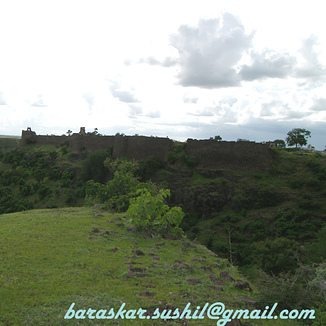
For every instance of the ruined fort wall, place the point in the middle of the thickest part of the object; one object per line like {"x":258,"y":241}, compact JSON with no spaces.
{"x":210,"y":154}
{"x":141,"y":147}
{"x":243,"y":156}
{"x":30,"y":137}
{"x":89,"y":143}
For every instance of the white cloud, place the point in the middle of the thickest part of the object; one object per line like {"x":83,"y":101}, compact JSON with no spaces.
{"x":210,"y":52}
{"x":268,"y":65}
{"x":197,"y":70}
{"x":311,"y":68}
{"x":2,"y":99}
{"x":39,"y":102}
{"x":319,"y":104}
{"x":89,"y":98}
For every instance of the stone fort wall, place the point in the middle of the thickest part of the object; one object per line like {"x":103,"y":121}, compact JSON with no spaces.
{"x":242,"y":155}
{"x":210,"y":154}
{"x":137,"y":147}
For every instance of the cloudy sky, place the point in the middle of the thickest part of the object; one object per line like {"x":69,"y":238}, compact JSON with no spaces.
{"x":182,"y":69}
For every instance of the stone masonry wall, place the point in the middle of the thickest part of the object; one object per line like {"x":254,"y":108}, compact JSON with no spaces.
{"x":210,"y":154}
{"x":243,"y":156}
{"x":137,"y":147}
{"x":141,"y":147}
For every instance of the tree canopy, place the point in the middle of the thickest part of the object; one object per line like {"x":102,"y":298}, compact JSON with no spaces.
{"x":298,"y":136}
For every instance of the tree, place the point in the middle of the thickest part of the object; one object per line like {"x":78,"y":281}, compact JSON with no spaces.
{"x":280,"y":143}
{"x":298,"y":136}
{"x":69,"y":132}
{"x":217,"y":138}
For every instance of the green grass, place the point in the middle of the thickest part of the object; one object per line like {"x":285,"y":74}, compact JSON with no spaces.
{"x":52,"y":258}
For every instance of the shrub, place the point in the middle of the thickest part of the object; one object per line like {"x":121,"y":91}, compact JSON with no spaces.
{"x":93,"y":167}
{"x":149,"y":213}
{"x":302,"y":290}
{"x":275,"y":257}
{"x":239,"y":202}
{"x":148,"y":167}
{"x":115,"y":195}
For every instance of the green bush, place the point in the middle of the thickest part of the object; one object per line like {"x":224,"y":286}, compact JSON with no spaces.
{"x":147,"y":168}
{"x":93,"y":167}
{"x":303,"y":289}
{"x":115,"y":195}
{"x":275,"y":257}
{"x":239,"y":202}
{"x":151,"y":214}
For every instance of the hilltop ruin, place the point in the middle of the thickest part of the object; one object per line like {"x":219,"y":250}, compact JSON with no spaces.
{"x":209,"y":154}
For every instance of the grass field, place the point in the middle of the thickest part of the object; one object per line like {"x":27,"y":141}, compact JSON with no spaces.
{"x":50,"y":259}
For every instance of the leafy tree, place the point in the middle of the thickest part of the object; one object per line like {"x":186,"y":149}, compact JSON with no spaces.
{"x":69,"y":132}
{"x":298,"y":136}
{"x":280,"y":143}
{"x":218,"y":138}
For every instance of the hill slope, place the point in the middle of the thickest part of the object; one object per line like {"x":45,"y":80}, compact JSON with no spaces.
{"x":53,"y":258}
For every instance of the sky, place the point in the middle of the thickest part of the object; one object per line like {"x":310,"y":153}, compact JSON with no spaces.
{"x":179,"y":69}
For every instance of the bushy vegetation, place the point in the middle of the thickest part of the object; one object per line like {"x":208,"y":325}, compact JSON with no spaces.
{"x":143,"y":201}
{"x":39,"y":177}
{"x":93,"y":167}
{"x":272,"y":221}
{"x":149,"y":213}
{"x":179,"y":156}
{"x":300,"y":290}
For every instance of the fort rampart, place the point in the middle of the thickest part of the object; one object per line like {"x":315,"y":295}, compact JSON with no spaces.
{"x":137,"y":147}
{"x":241,"y":155}
{"x":209,"y":154}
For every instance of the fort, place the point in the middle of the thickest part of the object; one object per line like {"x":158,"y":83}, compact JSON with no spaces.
{"x":210,"y":154}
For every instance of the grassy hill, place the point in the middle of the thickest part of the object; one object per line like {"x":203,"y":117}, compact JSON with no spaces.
{"x":272,"y":220}
{"x":50,"y":259}
{"x":260,"y":213}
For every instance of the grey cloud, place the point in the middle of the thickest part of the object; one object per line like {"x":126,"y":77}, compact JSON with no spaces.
{"x":209,"y":52}
{"x":267,"y":108}
{"x":268,"y":65}
{"x":292,"y":114}
{"x":319,"y":105}
{"x":230,"y":116}
{"x":167,"y":62}
{"x":205,"y":112}
{"x":223,"y":108}
{"x":2,"y":99}
{"x":123,"y":96}
{"x":135,"y":111}
{"x":208,"y":112}
{"x":229,"y":101}
{"x":154,"y":114}
{"x":190,"y":99}
{"x":312,"y":69}
{"x":39,"y":102}
{"x":89,"y":98}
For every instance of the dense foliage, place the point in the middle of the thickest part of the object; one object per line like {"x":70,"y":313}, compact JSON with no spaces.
{"x":298,"y":136}
{"x":150,"y":213}
{"x":273,"y":220}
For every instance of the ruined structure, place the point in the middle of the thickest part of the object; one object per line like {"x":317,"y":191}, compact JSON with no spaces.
{"x":209,"y":154}
{"x":137,"y":147}
{"x":219,"y":155}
